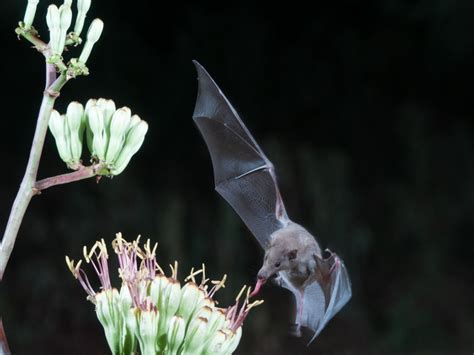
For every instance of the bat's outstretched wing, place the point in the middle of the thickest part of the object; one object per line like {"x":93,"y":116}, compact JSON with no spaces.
{"x":243,"y":175}
{"x":324,"y":296}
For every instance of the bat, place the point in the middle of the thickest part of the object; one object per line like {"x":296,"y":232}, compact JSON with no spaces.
{"x":246,"y":178}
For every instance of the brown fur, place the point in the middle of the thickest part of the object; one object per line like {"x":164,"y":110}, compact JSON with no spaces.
{"x":292,"y":250}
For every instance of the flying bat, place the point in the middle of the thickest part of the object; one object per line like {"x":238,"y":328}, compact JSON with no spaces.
{"x":246,"y":178}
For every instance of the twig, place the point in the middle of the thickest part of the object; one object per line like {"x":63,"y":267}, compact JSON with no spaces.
{"x":84,"y":172}
{"x":26,"y":190}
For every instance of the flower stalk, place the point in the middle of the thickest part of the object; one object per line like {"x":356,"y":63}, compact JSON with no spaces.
{"x":57,"y":74}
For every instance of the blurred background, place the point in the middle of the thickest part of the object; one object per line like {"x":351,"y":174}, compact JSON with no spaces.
{"x":365,"y":108}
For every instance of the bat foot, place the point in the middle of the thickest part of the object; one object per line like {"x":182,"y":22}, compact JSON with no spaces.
{"x":295,"y":330}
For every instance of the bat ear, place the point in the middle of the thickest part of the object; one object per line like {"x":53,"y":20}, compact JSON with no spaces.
{"x":292,"y":254}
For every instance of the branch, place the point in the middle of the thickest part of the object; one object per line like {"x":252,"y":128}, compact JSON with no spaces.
{"x":84,"y":172}
{"x":40,"y":46}
{"x":26,"y":190}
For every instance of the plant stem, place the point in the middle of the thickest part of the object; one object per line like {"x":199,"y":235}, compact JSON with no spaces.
{"x":26,"y":190}
{"x":84,"y":172}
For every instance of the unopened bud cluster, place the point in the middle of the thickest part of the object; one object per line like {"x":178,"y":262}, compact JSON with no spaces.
{"x":154,"y":312}
{"x":59,"y":20}
{"x":113,"y":135}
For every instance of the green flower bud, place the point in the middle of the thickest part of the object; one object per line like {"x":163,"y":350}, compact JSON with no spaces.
{"x":108,"y":313}
{"x":93,"y":35}
{"x":147,"y":331}
{"x":96,"y":125}
{"x":216,"y":343}
{"x":203,"y":312}
{"x":89,"y":135}
{"x":157,"y":287}
{"x":65,"y":14}
{"x":90,"y":103}
{"x":168,"y":304}
{"x":125,"y":300}
{"x":216,"y":321}
{"x":174,"y":297}
{"x":30,"y":13}
{"x":118,"y":128}
{"x":108,"y":108}
{"x":232,"y":341}
{"x":130,"y":326}
{"x":74,"y":120}
{"x":134,"y":121}
{"x":194,"y":341}
{"x":133,"y":142}
{"x":190,"y":297}
{"x":57,"y":126}
{"x":175,"y":335}
{"x":82,"y":9}
{"x":53,"y":19}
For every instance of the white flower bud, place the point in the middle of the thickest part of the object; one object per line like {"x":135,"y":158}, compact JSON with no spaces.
{"x":148,"y":331}
{"x":118,"y":127}
{"x":95,"y":30}
{"x":133,"y":142}
{"x":53,"y":18}
{"x":93,"y":35}
{"x":89,"y":104}
{"x":107,"y":312}
{"x":232,"y":341}
{"x":157,"y":287}
{"x":96,"y":125}
{"x":135,"y":120}
{"x":74,"y":115}
{"x":216,"y":321}
{"x":215,"y":345}
{"x":57,"y":126}
{"x":108,"y":109}
{"x":190,"y":297}
{"x":82,"y":9}
{"x":194,"y":341}
{"x":65,"y":13}
{"x":30,"y":13}
{"x":175,"y":334}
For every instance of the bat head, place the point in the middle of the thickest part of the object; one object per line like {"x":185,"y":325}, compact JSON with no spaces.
{"x":278,"y":257}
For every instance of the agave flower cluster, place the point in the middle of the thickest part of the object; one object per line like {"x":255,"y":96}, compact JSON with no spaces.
{"x":113,"y":135}
{"x":155,"y":312}
{"x":59,"y":20}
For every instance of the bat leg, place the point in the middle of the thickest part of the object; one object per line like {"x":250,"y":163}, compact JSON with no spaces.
{"x":299,"y":315}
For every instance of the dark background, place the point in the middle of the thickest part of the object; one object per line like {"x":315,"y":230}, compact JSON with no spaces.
{"x":366,"y":110}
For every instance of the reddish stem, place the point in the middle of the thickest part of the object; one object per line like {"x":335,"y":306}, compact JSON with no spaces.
{"x":84,"y":172}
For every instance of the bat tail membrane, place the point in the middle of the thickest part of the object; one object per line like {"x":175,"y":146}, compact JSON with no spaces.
{"x":243,"y":175}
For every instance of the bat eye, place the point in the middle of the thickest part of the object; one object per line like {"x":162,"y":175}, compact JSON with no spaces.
{"x":277,"y":264}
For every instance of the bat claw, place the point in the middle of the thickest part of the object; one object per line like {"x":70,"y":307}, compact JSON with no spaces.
{"x":295,"y":330}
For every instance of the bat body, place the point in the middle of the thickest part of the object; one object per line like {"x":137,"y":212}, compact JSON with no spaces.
{"x":245,"y":177}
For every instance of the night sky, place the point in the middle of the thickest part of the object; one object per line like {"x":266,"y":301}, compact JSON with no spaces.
{"x":366,"y":110}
